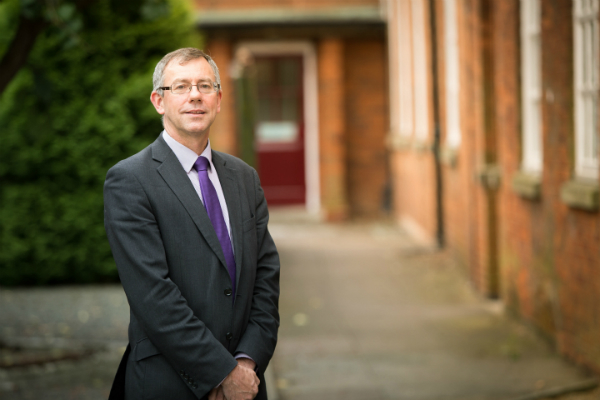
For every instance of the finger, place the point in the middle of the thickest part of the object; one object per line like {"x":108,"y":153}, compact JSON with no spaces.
{"x":213,"y":394}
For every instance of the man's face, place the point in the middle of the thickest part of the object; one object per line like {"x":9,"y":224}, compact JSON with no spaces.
{"x":189,"y":114}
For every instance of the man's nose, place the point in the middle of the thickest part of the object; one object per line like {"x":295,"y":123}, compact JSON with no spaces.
{"x":194,"y":92}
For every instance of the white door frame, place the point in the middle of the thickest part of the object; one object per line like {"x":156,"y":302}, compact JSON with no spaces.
{"x":311,"y":109}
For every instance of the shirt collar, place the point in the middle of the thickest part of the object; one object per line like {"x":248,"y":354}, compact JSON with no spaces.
{"x":186,"y":156}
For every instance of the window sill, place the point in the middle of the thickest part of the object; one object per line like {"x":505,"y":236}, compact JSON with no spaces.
{"x":449,"y":156}
{"x":489,"y":176}
{"x":580,"y":194}
{"x":397,"y":142}
{"x":526,"y":185}
{"x":420,"y":146}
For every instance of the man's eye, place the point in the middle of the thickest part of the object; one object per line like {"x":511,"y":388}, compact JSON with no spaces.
{"x":205,"y":86}
{"x":179,"y":86}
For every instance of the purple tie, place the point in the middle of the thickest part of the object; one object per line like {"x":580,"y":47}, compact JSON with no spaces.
{"x":213,"y":208}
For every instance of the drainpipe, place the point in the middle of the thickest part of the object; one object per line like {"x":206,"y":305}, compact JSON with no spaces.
{"x":436,"y":123}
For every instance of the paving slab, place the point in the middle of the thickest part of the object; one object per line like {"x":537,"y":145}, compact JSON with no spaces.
{"x":61,"y":343}
{"x":367,"y":314}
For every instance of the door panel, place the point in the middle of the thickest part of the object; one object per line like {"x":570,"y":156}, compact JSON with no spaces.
{"x":279,"y":129}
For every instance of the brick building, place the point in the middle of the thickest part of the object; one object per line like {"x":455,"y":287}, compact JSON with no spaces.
{"x":494,"y":151}
{"x":480,"y":117}
{"x":305,"y":98}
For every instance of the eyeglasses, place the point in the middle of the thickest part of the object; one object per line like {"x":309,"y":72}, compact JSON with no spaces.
{"x":206,"y":87}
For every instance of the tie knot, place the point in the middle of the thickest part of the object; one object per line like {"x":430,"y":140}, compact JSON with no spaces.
{"x":201,"y":164}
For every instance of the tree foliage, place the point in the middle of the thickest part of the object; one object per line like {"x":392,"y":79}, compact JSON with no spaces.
{"x":79,"y":105}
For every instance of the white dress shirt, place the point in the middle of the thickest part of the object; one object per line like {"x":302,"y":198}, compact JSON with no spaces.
{"x":187,"y":157}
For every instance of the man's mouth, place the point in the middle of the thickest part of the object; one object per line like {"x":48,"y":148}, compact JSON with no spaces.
{"x":196,"y":112}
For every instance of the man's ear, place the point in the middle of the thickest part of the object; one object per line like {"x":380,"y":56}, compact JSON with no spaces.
{"x":157,"y":102}
{"x":220,"y":95}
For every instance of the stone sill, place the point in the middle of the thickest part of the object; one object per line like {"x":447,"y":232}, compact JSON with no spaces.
{"x":420,"y":146}
{"x":396,"y":142}
{"x":399,"y":143}
{"x":527,"y":185}
{"x":488,"y":176}
{"x":449,"y":156}
{"x":580,"y":194}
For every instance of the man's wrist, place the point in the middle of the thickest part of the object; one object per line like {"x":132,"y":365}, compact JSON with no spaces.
{"x":247,"y":363}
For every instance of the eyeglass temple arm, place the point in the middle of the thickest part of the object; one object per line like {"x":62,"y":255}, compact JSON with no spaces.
{"x":218,"y":85}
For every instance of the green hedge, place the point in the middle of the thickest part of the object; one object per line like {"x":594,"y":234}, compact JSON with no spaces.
{"x":80,"y":105}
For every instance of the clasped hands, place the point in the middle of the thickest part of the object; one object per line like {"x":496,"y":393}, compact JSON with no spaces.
{"x":241,"y":383}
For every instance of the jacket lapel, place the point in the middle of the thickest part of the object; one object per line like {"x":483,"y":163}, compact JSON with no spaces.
{"x":227,"y":177}
{"x":171,"y":171}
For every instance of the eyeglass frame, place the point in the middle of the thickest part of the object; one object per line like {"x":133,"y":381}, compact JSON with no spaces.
{"x":216,"y":87}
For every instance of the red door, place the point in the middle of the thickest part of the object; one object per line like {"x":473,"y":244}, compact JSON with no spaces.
{"x":279,"y":129}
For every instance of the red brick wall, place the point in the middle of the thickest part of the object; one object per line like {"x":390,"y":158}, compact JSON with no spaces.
{"x":414,"y":192}
{"x":547,"y":254}
{"x":412,"y":164}
{"x":515,"y":226}
{"x":455,"y":177}
{"x":223,"y":135}
{"x":574,"y":234}
{"x":550,"y":255}
{"x":473,"y":205}
{"x":332,"y":128}
{"x":366,"y":104}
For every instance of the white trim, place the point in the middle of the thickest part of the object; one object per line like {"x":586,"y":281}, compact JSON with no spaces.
{"x":405,"y":71}
{"x":585,"y":26}
{"x":393,"y":48}
{"x":531,"y":87}
{"x":311,"y":112}
{"x":453,"y":134}
{"x":421,"y":72}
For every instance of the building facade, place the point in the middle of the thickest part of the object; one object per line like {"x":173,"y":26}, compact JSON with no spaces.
{"x":305,"y":99}
{"x":474,"y":121}
{"x":494,"y":151}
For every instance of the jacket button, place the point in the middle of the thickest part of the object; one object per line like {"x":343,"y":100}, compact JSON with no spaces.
{"x":229,"y":336}
{"x":228,"y":292}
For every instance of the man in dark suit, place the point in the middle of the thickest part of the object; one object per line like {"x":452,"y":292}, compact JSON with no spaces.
{"x":188,"y":230}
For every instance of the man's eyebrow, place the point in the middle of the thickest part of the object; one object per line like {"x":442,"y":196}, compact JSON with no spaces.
{"x":184,"y":80}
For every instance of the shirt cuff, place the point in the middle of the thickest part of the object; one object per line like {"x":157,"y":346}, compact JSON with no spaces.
{"x":244,"y":355}
{"x":241,"y":355}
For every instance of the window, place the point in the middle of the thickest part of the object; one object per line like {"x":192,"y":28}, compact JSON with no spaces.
{"x":420,"y":71}
{"x":532,"y":155}
{"x":585,"y":25}
{"x":452,"y":76}
{"x":405,"y":70}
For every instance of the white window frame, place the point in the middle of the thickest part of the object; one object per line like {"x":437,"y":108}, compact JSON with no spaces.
{"x":586,"y":53}
{"x":531,"y":87}
{"x":405,"y":71}
{"x":453,"y":134}
{"x":421,"y":71}
{"x":393,"y":51}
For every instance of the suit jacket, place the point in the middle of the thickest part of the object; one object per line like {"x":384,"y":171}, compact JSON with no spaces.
{"x":184,"y":326}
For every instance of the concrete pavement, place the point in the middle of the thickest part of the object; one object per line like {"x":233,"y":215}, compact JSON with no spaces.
{"x":369,"y":314}
{"x":366,"y":314}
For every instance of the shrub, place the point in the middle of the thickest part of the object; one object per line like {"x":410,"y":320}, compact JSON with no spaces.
{"x":79,"y":105}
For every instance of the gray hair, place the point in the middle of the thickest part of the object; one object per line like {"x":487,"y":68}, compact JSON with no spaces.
{"x":183,"y":56}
